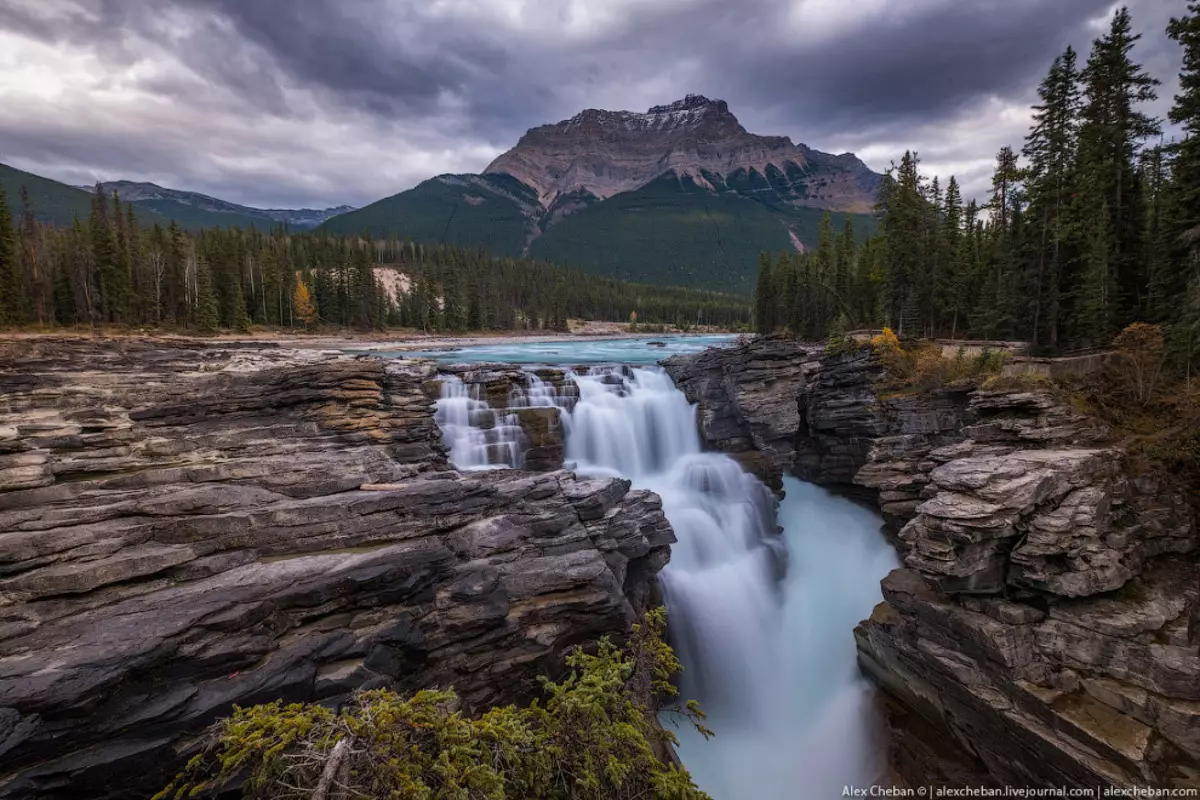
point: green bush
(595, 737)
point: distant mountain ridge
(60, 204)
(193, 209)
(680, 194)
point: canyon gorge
(188, 526)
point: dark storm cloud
(416, 88)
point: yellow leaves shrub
(886, 343)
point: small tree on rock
(1141, 351)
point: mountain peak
(602, 153)
(688, 103)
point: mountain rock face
(184, 528)
(212, 211)
(1045, 628)
(682, 194)
(601, 153)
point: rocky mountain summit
(1045, 628)
(600, 153)
(187, 527)
(680, 195)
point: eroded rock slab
(184, 528)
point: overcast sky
(293, 103)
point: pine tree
(111, 294)
(1179, 274)
(1111, 133)
(11, 300)
(1051, 148)
(33, 252)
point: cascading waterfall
(478, 436)
(720, 585)
(537, 393)
(767, 651)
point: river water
(761, 620)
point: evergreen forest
(112, 270)
(1093, 224)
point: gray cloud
(328, 101)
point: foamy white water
(762, 623)
(478, 436)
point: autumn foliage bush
(595, 737)
(920, 366)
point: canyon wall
(186, 527)
(1045, 628)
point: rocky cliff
(1045, 629)
(184, 528)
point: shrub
(838, 342)
(922, 367)
(595, 737)
(886, 343)
(1141, 352)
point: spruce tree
(764, 296)
(1180, 271)
(206, 315)
(11, 299)
(946, 284)
(847, 263)
(1112, 132)
(904, 227)
(1051, 148)
(826, 279)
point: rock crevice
(1045, 628)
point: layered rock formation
(598, 153)
(749, 399)
(185, 528)
(1045, 630)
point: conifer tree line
(1093, 225)
(110, 270)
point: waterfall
(537, 393)
(478, 436)
(766, 640)
(719, 585)
(770, 656)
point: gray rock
(750, 400)
(1046, 629)
(273, 524)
